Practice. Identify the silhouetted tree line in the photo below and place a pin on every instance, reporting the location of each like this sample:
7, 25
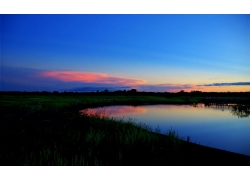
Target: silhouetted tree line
135, 92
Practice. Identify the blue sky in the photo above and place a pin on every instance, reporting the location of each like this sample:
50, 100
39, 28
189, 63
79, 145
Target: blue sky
147, 52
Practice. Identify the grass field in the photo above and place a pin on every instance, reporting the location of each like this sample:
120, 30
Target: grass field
68, 100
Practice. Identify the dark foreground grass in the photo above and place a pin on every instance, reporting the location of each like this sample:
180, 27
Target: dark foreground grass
73, 139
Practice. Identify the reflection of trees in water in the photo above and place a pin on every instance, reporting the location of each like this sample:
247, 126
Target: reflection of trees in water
221, 107
241, 110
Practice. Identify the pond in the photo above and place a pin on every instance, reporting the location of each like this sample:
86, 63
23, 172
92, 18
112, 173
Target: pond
219, 127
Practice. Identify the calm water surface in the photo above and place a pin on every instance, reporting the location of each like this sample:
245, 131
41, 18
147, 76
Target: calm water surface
210, 126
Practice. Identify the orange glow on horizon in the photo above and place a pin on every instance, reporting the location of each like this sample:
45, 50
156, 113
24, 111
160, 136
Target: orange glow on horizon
193, 87
220, 89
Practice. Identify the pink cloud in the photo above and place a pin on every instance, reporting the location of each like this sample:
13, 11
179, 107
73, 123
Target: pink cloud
89, 77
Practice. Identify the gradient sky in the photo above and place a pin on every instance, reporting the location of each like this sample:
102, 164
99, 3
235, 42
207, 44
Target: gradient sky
120, 52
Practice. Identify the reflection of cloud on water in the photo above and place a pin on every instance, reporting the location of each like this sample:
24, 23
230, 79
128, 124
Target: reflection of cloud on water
125, 110
93, 112
116, 111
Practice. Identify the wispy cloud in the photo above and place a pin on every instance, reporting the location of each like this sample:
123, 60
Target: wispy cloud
166, 87
228, 84
89, 77
20, 79
93, 88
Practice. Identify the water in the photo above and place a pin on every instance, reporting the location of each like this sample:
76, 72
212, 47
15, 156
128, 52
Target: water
217, 127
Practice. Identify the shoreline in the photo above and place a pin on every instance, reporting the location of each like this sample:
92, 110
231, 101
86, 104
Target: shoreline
212, 156
208, 156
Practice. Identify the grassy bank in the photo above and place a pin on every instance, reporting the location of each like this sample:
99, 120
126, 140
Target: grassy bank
71, 139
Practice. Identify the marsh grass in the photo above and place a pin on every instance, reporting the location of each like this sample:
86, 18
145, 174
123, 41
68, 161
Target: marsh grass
50, 136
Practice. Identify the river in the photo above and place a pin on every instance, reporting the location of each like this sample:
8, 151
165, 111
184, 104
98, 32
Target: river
213, 126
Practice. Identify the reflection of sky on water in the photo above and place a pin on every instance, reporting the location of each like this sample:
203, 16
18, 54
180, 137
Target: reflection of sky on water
208, 126
118, 111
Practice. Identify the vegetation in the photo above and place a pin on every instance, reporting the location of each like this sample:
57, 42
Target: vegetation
87, 99
86, 139
42, 128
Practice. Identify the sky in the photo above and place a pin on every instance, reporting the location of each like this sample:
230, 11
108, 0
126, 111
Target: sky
148, 52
